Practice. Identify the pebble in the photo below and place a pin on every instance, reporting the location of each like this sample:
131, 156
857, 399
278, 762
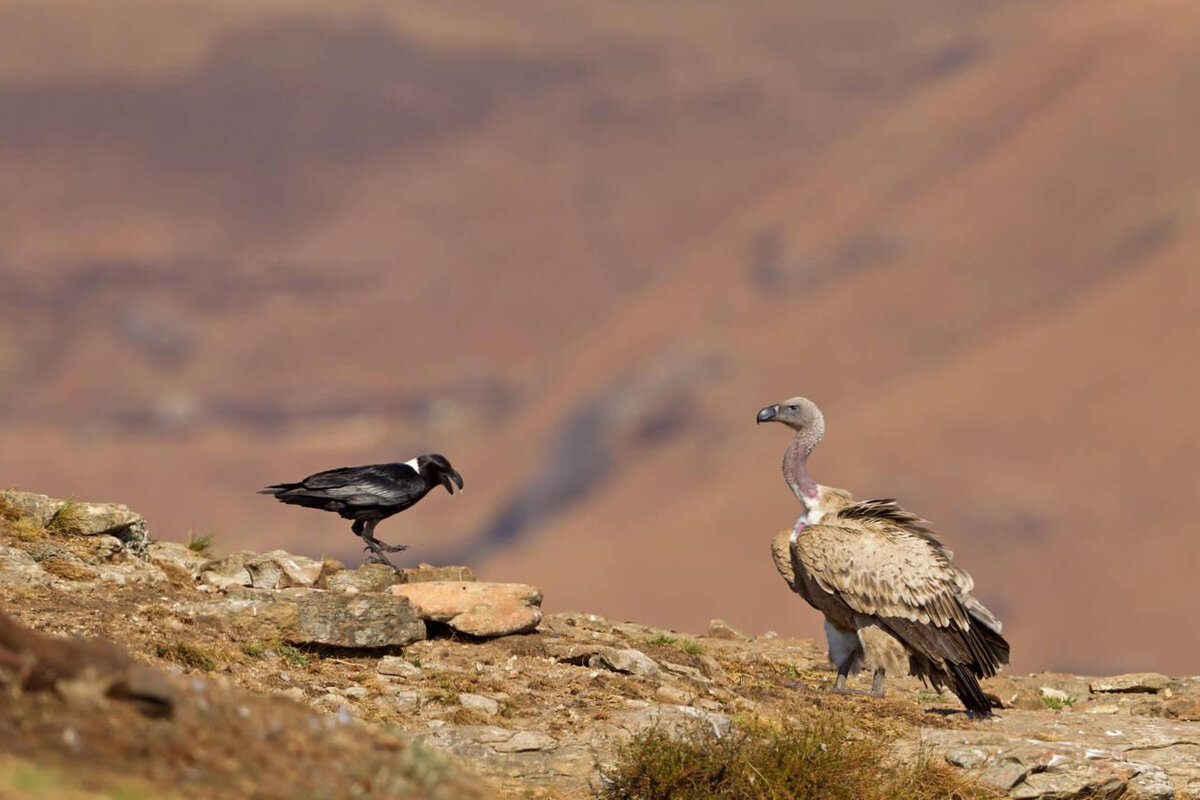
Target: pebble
397, 667
477, 702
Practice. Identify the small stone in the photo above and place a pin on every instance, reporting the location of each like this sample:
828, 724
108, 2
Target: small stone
477, 702
720, 629
1054, 694
1151, 682
405, 702
769, 635
292, 693
332, 702
397, 667
686, 671
673, 695
357, 692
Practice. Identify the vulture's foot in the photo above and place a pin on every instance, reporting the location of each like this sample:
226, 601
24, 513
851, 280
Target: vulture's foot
391, 548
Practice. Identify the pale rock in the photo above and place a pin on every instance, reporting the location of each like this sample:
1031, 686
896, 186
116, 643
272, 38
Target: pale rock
597, 656
673, 695
396, 666
370, 577
279, 569
525, 741
356, 692
1147, 682
21, 569
1055, 694
333, 703
402, 702
426, 573
686, 671
292, 693
173, 556
476, 608
720, 629
477, 702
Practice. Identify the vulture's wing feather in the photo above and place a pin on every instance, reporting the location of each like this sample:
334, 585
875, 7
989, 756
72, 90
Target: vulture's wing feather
884, 562
881, 568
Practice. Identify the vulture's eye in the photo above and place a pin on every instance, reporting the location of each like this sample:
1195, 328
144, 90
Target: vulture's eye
791, 408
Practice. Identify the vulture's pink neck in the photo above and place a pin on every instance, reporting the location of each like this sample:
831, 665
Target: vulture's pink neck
795, 471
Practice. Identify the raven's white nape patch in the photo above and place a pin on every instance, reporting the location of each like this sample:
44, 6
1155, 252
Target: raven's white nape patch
412, 462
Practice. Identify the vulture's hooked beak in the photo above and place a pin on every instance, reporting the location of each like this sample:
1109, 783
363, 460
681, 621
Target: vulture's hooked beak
448, 480
767, 414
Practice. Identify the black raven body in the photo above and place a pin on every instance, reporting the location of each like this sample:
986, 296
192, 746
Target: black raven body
371, 493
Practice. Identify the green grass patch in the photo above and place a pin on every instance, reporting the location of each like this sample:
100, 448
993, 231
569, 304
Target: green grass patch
254, 649
686, 645
812, 760
1058, 703
292, 654
187, 655
199, 543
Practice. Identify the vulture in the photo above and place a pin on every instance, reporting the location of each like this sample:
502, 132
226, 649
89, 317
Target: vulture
370, 494
877, 572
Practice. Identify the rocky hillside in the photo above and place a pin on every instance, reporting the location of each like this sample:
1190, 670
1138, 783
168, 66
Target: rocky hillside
343, 682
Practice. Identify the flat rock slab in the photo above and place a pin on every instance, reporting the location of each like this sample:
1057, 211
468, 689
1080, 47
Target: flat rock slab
476, 608
1151, 682
1044, 756
314, 616
616, 659
424, 573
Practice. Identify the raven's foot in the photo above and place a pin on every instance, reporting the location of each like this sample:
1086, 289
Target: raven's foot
377, 557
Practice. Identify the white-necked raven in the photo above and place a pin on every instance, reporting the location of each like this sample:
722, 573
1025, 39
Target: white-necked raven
370, 494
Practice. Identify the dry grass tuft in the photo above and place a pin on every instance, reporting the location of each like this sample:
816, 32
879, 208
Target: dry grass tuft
68, 519
818, 759
68, 569
187, 655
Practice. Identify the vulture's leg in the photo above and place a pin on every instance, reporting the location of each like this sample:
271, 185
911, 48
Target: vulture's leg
877, 684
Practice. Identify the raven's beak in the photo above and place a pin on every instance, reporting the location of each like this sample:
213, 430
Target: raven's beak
449, 479
767, 414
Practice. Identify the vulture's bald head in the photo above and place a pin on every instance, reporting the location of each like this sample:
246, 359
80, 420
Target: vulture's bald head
798, 413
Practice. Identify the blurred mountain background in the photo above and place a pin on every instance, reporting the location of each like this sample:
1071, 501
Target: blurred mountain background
576, 246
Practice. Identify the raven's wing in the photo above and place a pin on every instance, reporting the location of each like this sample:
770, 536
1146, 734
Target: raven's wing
375, 485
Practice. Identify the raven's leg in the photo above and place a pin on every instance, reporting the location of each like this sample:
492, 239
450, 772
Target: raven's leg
363, 529
390, 548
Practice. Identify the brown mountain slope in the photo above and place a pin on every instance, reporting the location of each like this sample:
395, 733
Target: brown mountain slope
612, 237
